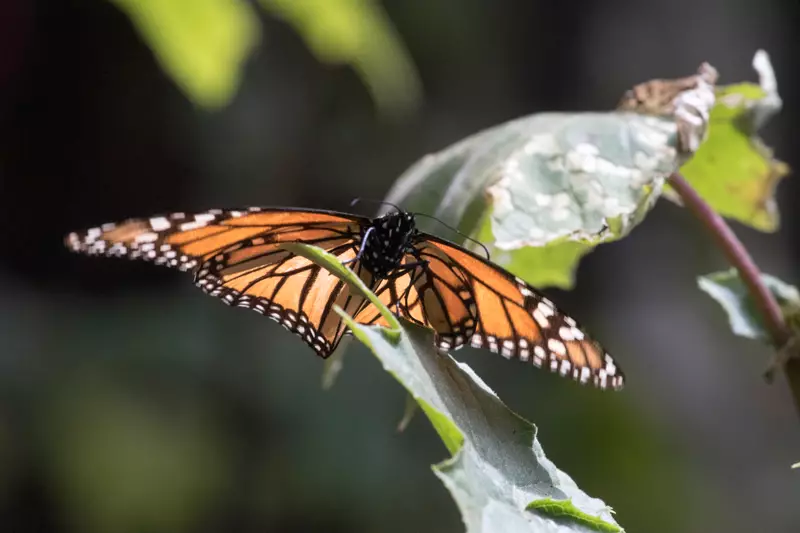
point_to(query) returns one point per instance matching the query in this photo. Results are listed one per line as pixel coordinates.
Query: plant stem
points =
(740, 258)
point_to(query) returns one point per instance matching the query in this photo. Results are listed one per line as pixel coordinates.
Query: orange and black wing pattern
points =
(468, 300)
(236, 256)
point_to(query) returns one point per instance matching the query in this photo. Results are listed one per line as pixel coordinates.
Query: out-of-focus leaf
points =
(201, 44)
(730, 292)
(543, 190)
(733, 170)
(356, 33)
(115, 462)
(565, 509)
(497, 466)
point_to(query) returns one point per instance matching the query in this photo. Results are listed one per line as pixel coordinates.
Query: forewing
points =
(183, 241)
(236, 256)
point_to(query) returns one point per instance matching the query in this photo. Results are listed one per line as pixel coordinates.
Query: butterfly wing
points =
(465, 298)
(236, 256)
(182, 241)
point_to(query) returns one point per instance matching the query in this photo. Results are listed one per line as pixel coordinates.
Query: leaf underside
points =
(497, 466)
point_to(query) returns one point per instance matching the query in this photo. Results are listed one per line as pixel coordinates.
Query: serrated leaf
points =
(201, 44)
(546, 188)
(357, 34)
(730, 292)
(497, 465)
(565, 509)
(733, 170)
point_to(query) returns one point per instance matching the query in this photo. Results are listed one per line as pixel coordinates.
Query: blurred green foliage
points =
(357, 33)
(147, 451)
(204, 44)
(201, 44)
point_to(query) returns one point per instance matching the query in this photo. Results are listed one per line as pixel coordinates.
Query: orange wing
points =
(183, 241)
(236, 256)
(464, 298)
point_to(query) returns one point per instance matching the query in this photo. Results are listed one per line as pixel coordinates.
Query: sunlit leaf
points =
(201, 44)
(356, 33)
(497, 466)
(544, 190)
(565, 509)
(733, 170)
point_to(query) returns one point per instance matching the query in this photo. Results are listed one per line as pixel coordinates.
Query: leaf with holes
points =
(733, 170)
(730, 292)
(546, 189)
(497, 466)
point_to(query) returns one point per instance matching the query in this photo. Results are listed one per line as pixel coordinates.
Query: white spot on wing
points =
(160, 223)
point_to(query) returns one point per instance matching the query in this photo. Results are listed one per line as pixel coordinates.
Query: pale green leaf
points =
(201, 44)
(356, 33)
(565, 509)
(497, 466)
(730, 292)
(542, 191)
(733, 170)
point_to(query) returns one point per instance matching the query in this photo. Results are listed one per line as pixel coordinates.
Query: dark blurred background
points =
(130, 402)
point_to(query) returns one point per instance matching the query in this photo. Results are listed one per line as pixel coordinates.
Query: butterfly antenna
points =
(448, 226)
(373, 201)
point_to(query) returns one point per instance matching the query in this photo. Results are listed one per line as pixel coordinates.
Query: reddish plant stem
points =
(740, 258)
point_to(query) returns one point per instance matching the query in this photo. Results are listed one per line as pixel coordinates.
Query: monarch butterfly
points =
(236, 256)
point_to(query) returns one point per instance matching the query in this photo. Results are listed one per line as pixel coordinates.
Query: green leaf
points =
(730, 292)
(565, 509)
(733, 170)
(201, 44)
(357, 34)
(544, 190)
(497, 466)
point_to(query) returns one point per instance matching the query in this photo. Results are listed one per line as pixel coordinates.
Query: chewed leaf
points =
(733, 170)
(568, 181)
(730, 292)
(565, 509)
(204, 53)
(497, 466)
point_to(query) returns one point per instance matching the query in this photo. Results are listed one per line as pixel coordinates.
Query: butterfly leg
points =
(361, 247)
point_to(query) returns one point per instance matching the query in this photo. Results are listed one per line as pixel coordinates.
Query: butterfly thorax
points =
(388, 239)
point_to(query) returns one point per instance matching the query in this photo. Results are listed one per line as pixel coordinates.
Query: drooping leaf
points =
(730, 292)
(356, 33)
(497, 466)
(543, 190)
(734, 171)
(201, 44)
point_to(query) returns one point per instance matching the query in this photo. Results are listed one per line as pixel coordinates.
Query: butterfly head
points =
(390, 238)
